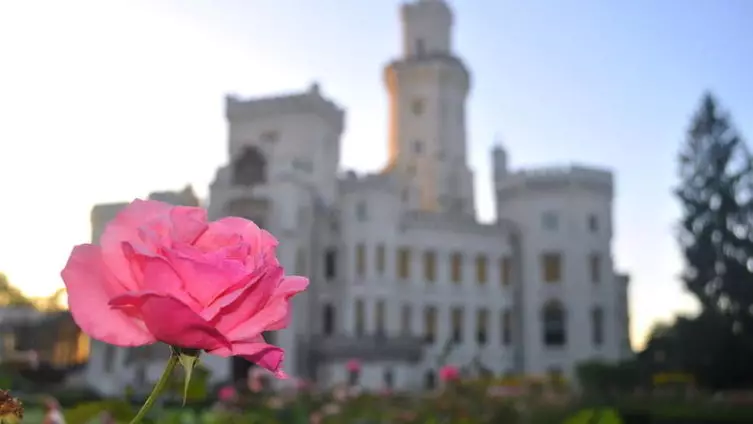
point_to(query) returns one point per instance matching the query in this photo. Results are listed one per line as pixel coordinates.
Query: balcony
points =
(367, 348)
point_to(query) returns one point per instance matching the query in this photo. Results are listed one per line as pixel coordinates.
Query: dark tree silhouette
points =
(715, 234)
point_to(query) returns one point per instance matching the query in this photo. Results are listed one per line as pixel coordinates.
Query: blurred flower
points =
(331, 409)
(316, 417)
(164, 273)
(275, 403)
(227, 394)
(354, 365)
(255, 379)
(340, 394)
(302, 384)
(11, 409)
(449, 373)
(354, 391)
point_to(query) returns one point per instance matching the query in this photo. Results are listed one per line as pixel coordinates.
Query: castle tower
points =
(427, 88)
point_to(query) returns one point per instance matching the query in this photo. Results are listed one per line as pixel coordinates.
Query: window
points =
(411, 170)
(353, 376)
(551, 267)
(417, 107)
(481, 265)
(418, 147)
(457, 325)
(403, 263)
(250, 167)
(456, 268)
(420, 48)
(330, 264)
(594, 263)
(482, 322)
(300, 261)
(110, 354)
(597, 326)
(550, 220)
(430, 324)
(360, 319)
(389, 379)
(380, 317)
(593, 223)
(380, 259)
(361, 212)
(506, 327)
(505, 269)
(360, 260)
(430, 380)
(405, 195)
(406, 320)
(430, 259)
(303, 165)
(269, 136)
(328, 320)
(555, 325)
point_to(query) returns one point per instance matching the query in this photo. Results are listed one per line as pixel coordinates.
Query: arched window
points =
(328, 318)
(554, 322)
(250, 168)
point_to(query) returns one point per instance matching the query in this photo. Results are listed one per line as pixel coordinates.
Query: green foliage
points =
(716, 199)
(716, 177)
(11, 295)
(86, 412)
(600, 378)
(460, 403)
(197, 388)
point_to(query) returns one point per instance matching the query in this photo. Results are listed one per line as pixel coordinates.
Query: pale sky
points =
(107, 100)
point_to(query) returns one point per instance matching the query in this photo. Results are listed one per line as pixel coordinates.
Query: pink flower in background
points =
(354, 365)
(302, 384)
(449, 373)
(164, 273)
(227, 394)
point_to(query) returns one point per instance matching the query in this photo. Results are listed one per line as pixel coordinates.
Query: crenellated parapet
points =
(599, 180)
(309, 102)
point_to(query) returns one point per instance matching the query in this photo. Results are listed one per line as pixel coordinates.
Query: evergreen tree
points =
(715, 234)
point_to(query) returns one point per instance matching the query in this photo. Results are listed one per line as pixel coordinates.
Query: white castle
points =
(403, 276)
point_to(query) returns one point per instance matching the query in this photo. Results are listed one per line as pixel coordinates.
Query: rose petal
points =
(232, 230)
(159, 276)
(246, 303)
(259, 352)
(206, 275)
(188, 224)
(89, 289)
(275, 313)
(172, 322)
(124, 227)
(289, 287)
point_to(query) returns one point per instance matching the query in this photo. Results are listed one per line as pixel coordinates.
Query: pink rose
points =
(163, 273)
(449, 373)
(354, 365)
(227, 394)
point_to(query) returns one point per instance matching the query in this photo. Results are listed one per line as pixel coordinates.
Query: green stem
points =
(161, 383)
